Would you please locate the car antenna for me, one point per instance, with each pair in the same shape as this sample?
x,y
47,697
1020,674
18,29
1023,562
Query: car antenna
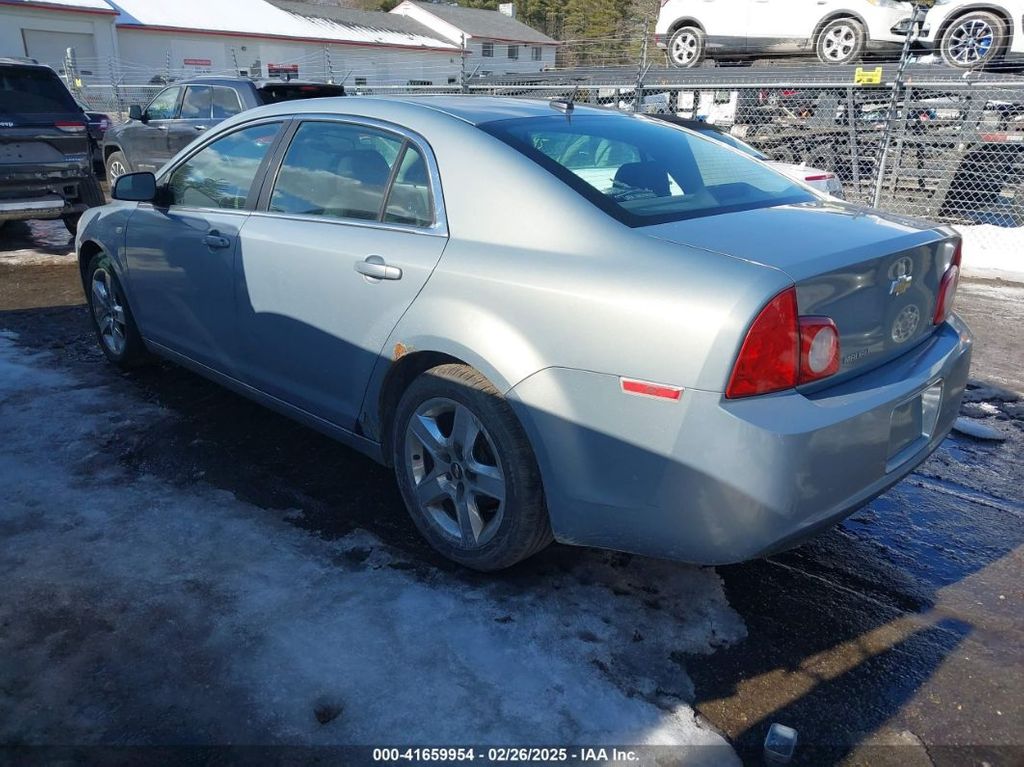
x,y
566,105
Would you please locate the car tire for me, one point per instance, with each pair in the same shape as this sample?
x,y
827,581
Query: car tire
x,y
452,489
973,40
841,41
112,318
90,194
116,165
687,47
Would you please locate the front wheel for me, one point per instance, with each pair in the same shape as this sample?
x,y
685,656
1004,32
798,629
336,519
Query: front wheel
x,y
686,47
112,318
117,166
973,40
466,470
841,42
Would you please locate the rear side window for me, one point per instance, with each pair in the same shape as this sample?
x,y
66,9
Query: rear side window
x,y
196,104
225,103
28,90
221,174
643,172
337,170
165,105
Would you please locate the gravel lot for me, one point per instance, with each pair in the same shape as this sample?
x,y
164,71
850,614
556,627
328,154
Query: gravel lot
x,y
182,566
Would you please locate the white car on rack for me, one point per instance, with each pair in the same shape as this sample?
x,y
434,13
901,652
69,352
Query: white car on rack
x,y
970,34
836,31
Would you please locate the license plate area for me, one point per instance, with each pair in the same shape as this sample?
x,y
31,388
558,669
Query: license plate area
x,y
912,425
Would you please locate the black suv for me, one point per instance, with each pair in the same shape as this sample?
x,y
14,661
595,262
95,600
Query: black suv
x,y
45,157
182,111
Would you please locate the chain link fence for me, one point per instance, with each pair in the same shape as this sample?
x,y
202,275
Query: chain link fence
x,y
954,148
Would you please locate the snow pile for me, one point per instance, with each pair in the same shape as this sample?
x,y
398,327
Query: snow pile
x,y
993,251
136,611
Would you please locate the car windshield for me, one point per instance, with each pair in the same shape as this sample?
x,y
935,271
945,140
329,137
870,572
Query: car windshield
x,y
644,172
31,90
729,140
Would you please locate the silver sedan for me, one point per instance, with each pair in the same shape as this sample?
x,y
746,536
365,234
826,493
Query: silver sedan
x,y
554,322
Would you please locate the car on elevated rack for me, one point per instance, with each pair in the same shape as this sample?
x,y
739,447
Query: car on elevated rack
x,y
836,31
182,111
640,339
971,34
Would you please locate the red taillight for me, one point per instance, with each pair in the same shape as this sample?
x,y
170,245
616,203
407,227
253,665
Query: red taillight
x,y
70,127
820,177
769,359
947,287
819,348
783,350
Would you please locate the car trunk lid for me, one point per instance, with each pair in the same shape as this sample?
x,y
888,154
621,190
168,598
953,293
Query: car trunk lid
x,y
876,276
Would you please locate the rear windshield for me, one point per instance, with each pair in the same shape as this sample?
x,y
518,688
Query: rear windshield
x,y
730,140
645,172
28,90
272,94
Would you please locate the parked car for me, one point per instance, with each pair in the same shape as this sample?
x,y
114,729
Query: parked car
x,y
822,180
970,34
182,111
45,159
638,340
836,31
96,124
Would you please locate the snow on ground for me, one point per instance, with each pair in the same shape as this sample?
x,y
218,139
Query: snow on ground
x,y
138,612
993,251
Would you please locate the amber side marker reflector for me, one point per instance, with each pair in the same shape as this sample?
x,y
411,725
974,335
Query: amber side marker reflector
x,y
648,389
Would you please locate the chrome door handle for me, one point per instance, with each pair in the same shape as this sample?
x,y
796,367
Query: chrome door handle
x,y
375,269
216,241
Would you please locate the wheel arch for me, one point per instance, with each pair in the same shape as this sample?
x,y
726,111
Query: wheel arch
x,y
685,21
836,16
969,9
89,250
109,149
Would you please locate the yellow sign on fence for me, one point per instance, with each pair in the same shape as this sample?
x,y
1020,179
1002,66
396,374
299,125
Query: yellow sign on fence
x,y
867,76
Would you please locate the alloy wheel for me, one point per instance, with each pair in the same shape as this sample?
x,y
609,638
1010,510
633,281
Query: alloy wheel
x,y
115,171
685,47
108,311
457,479
971,42
839,43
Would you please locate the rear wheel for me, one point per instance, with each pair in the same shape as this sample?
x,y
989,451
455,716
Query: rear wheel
x,y
90,194
973,40
111,316
841,41
466,470
686,47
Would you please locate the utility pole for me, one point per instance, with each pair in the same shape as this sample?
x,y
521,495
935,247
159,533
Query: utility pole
x,y
641,72
921,8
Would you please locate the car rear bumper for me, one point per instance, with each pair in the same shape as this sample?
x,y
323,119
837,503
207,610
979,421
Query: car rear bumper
x,y
41,191
713,481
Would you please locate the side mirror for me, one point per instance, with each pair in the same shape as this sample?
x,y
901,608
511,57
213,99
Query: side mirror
x,y
135,187
135,113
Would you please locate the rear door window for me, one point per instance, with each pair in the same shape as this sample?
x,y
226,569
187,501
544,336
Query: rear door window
x,y
339,170
221,174
196,104
225,103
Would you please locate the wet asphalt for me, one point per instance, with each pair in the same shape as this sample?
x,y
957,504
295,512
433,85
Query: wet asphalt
x,y
894,638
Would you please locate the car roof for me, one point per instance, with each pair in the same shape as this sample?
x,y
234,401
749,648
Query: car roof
x,y
475,110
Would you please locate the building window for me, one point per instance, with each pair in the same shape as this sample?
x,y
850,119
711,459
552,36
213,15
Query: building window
x,y
538,52
513,51
360,81
487,50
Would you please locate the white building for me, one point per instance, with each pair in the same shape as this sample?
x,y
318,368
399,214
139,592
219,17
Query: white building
x,y
497,43
137,42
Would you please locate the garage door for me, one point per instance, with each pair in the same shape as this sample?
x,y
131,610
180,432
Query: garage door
x,y
49,47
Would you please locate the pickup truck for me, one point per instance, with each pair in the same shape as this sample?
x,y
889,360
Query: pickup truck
x,y
182,111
